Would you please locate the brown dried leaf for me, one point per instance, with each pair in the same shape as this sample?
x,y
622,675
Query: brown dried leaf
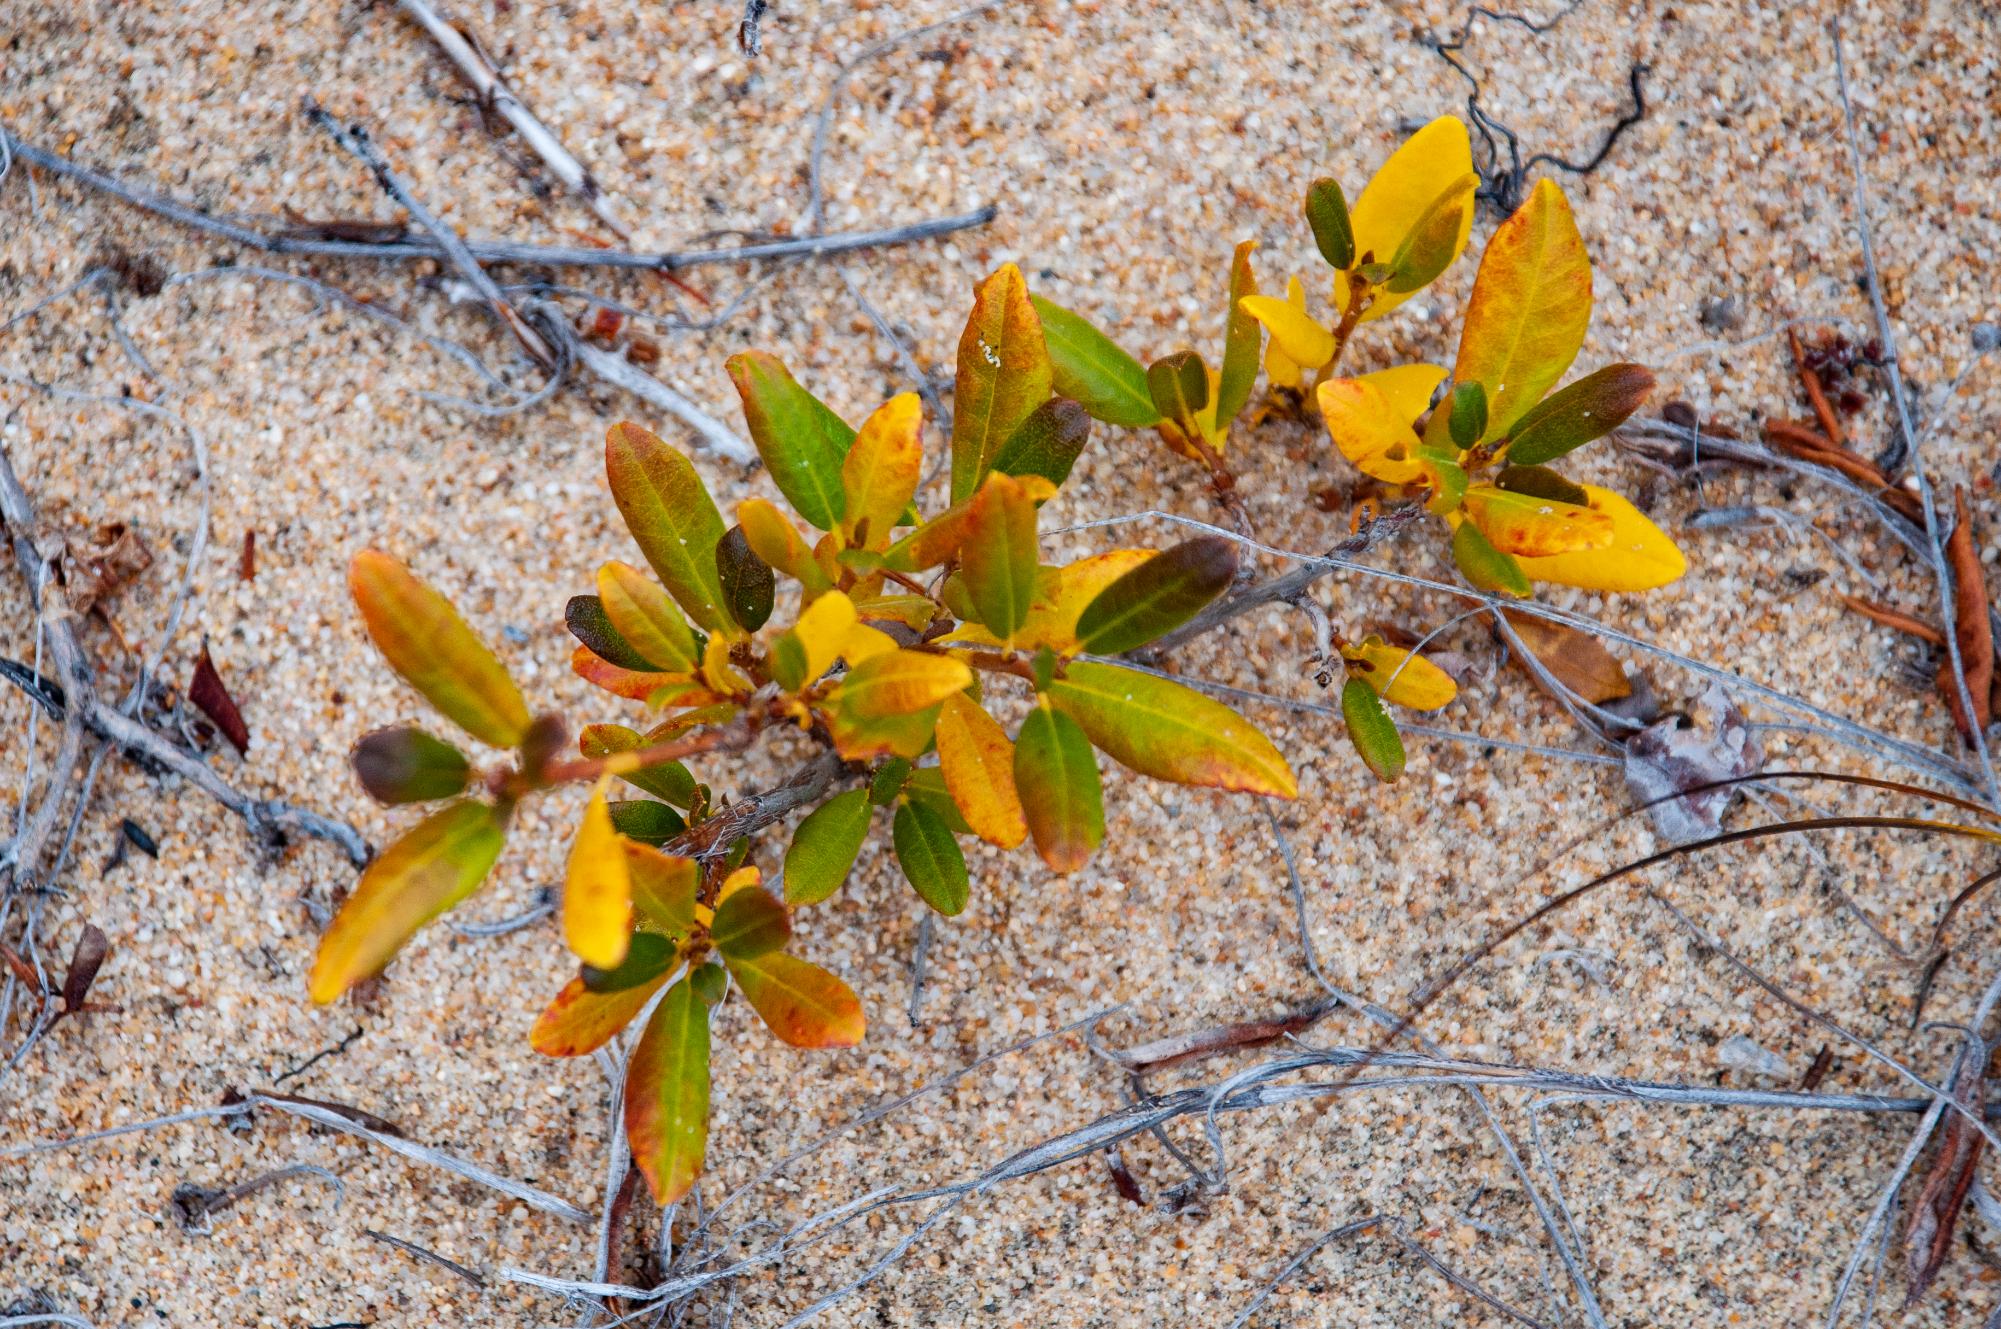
x,y
84,962
1578,660
1971,626
208,692
97,569
1935,1212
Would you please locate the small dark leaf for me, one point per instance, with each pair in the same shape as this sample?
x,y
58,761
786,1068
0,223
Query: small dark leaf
x,y
587,621
1570,417
1047,443
1371,730
547,736
406,765
931,858
212,697
749,923
646,821
1158,596
1327,214
1468,415
748,582
1179,384
84,962
646,957
1541,482
136,836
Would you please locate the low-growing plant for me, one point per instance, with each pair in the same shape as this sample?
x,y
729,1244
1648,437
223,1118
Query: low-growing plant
x,y
1479,459
904,646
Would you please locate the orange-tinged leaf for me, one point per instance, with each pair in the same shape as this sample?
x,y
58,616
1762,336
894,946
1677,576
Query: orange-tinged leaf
x,y
1531,527
667,1094
663,887
864,738
433,866
1529,309
646,617
977,762
1369,431
773,538
1303,340
627,683
672,519
800,1002
901,682
936,541
1062,799
913,611
1004,373
998,561
1637,557
1160,728
882,470
1400,676
424,639
579,1022
597,889
1399,195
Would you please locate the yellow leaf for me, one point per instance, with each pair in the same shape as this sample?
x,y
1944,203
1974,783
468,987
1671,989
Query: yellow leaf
x,y
1369,431
773,538
1531,527
865,643
718,672
436,864
977,761
1637,557
901,682
646,616
1396,199
882,470
1530,306
1399,676
1281,368
1303,340
597,889
913,611
823,630
1407,388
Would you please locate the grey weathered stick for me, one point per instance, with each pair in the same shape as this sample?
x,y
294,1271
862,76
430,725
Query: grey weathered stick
x,y
354,139
472,1276
621,373
493,251
469,58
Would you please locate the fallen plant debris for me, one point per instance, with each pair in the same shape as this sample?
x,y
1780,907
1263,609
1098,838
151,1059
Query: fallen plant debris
x,y
1698,757
94,571
193,1205
211,696
1575,659
1936,1209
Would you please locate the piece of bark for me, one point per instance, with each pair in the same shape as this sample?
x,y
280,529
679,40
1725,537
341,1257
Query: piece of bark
x,y
84,962
1935,1212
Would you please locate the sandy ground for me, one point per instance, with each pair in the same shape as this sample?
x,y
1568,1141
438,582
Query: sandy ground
x,y
1127,146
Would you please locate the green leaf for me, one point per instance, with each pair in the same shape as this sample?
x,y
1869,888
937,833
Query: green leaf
x,y
424,639
1243,337
710,982
646,619
1371,730
667,1094
930,859
588,622
1158,596
749,922
645,959
1047,443
999,560
1433,243
1327,215
888,781
1541,482
926,785
1003,374
747,580
1180,387
672,519
1090,369
664,887
1160,728
802,441
434,866
1578,413
824,847
1485,566
646,821
1467,416
1056,774
407,765
668,779
800,1002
